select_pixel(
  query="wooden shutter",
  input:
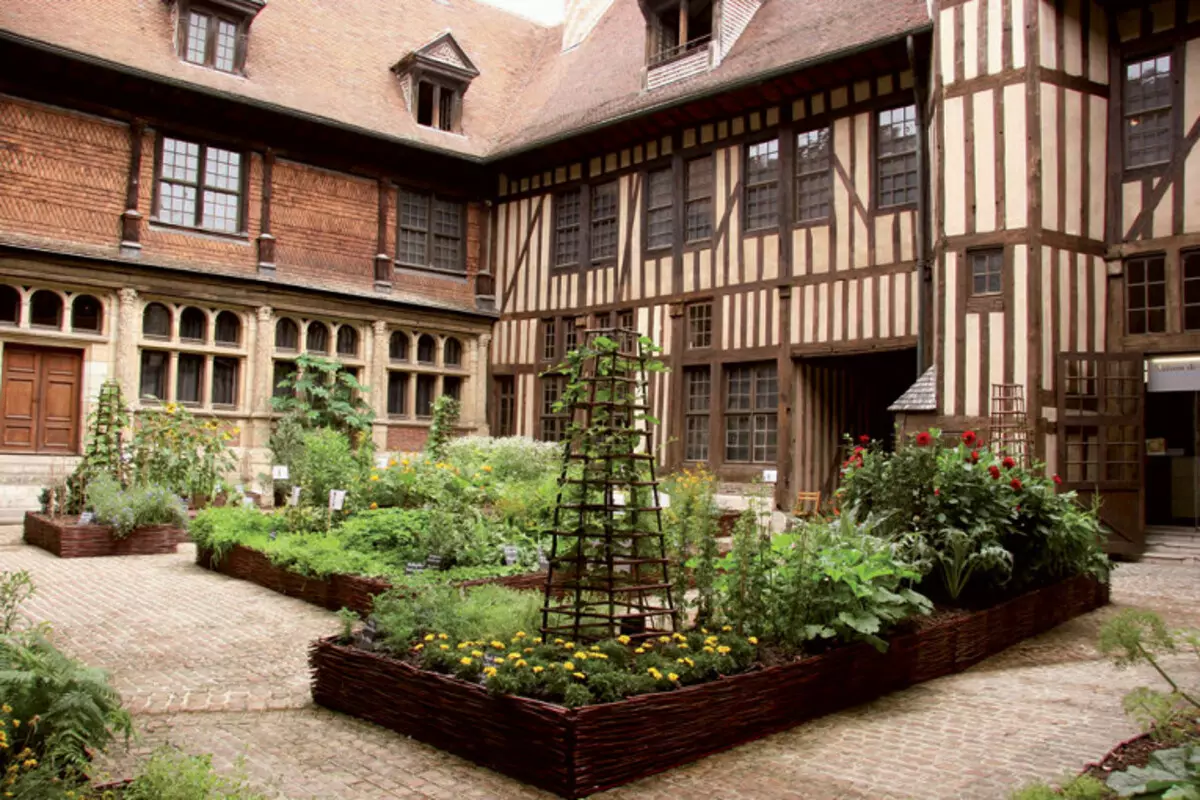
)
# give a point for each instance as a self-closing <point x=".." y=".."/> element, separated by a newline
<point x="41" y="400"/>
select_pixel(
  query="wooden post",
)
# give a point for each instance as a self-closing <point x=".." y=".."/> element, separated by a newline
<point x="683" y="24"/>
<point x="266" y="242"/>
<point x="131" y="219"/>
<point x="383" y="261"/>
<point x="786" y="368"/>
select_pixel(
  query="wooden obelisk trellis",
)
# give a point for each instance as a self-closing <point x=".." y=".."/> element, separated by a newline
<point x="608" y="572"/>
<point x="1009" y="433"/>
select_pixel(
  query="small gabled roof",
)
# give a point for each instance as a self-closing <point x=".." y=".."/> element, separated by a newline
<point x="921" y="396"/>
<point x="442" y="55"/>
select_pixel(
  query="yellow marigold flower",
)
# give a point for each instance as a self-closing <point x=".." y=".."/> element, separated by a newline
<point x="711" y="640"/>
<point x="579" y="675"/>
<point x="723" y="649"/>
<point x="689" y="662"/>
<point x="404" y="462"/>
<point x="708" y="649"/>
<point x="595" y="648"/>
<point x="419" y="648"/>
<point x="489" y="671"/>
<point x="640" y="650"/>
<point x="429" y="637"/>
<point x="443" y="646"/>
<point x="672" y="677"/>
<point x="513" y="656"/>
<point x="599" y="655"/>
<point x="16" y="723"/>
<point x="553" y="666"/>
<point x="477" y="654"/>
<point x="664" y="639"/>
<point x="521" y="663"/>
<point x="527" y="650"/>
<point x="654" y="673"/>
<point x="520" y="634"/>
<point x="679" y="637"/>
<point x="487" y="468"/>
<point x="466" y="661"/>
<point x="374" y="506"/>
<point x="558" y="641"/>
<point x="374" y="477"/>
<point x="496" y="643"/>
<point x="679" y="661"/>
<point x="704" y="630"/>
<point x="443" y="636"/>
<point x="752" y="640"/>
<point x="683" y="646"/>
<point x="30" y="763"/>
<point x="538" y="669"/>
<point x="727" y="628"/>
<point x="569" y="666"/>
<point x="569" y="646"/>
<point x="537" y="640"/>
<point x="463" y="645"/>
<point x="623" y="639"/>
<point x="6" y="708"/>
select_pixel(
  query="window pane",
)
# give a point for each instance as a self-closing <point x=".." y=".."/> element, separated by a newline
<point x="898" y="131"/>
<point x="700" y="325"/>
<point x="193" y="325"/>
<point x="398" y="346"/>
<point x="452" y="386"/>
<point x="762" y="162"/>
<point x="228" y="329"/>
<point x="658" y="228"/>
<point x="987" y="269"/>
<point x="446" y="109"/>
<point x="181" y="160"/>
<point x="154" y="375"/>
<point x="222" y="169"/>
<point x="452" y="352"/>
<point x="287" y="335"/>
<point x="738" y="383"/>
<point x="566" y="227"/>
<point x="177" y="204"/>
<point x="425" y="387"/>
<point x="226" y="46"/>
<point x="46" y="309"/>
<point x="737" y="438"/>
<point x="86" y="313"/>
<point x="549" y="340"/>
<point x="765" y="436"/>
<point x="766" y="388"/>
<point x="189" y="377"/>
<point x="1147" y="91"/>
<point x="197" y="38"/>
<point x="397" y="403"/>
<point x="426" y="349"/>
<point x="414" y="228"/>
<point x="282" y="371"/>
<point x="224" y="381"/>
<point x="604" y="221"/>
<point x="347" y="341"/>
<point x="317" y="340"/>
<point x="156" y="321"/>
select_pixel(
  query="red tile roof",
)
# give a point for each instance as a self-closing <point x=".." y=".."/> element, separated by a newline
<point x="331" y="58"/>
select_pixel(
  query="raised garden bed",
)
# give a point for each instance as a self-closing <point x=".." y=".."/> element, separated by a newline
<point x="578" y="752"/>
<point x="332" y="592"/>
<point x="66" y="538"/>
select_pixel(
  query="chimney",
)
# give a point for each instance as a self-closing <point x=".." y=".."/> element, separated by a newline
<point x="580" y="19"/>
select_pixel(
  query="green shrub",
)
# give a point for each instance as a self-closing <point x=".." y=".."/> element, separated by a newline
<point x="441" y="429"/>
<point x="138" y="506"/>
<point x="482" y="611"/>
<point x="218" y="529"/>
<point x="509" y="459"/>
<point x="323" y="394"/>
<point x="171" y="774"/>
<point x="175" y="449"/>
<point x="325" y="462"/>
<point x="1083" y="787"/>
<point x="690" y="531"/>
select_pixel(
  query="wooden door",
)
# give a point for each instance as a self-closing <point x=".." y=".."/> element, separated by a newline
<point x="40" y="400"/>
<point x="1101" y="440"/>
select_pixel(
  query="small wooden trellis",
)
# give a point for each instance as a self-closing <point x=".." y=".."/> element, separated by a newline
<point x="1009" y="426"/>
<point x="608" y="572"/>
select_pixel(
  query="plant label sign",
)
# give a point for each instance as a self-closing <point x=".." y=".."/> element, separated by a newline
<point x="511" y="555"/>
<point x="770" y="475"/>
<point x="664" y="500"/>
<point x="413" y="567"/>
<point x="87" y="518"/>
<point x="294" y="497"/>
<point x="337" y="499"/>
<point x="619" y="498"/>
<point x="433" y="562"/>
<point x="279" y="472"/>
<point x="240" y="488"/>
<point x="248" y="502"/>
<point x="381" y="462"/>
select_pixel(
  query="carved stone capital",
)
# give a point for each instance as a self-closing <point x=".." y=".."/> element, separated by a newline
<point x="380" y="328"/>
<point x="264" y="313"/>
<point x="128" y="296"/>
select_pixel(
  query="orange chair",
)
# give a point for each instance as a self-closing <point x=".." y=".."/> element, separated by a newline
<point x="808" y="504"/>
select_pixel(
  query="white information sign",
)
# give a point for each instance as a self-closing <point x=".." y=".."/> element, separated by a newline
<point x="381" y="462"/>
<point x="279" y="472"/>
<point x="619" y="498"/>
<point x="1174" y="374"/>
<point x="337" y="498"/>
<point x="770" y="475"/>
<point x="294" y="499"/>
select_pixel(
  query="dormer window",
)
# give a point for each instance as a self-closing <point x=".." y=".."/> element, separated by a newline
<point x="213" y="33"/>
<point x="434" y="79"/>
<point x="679" y="27"/>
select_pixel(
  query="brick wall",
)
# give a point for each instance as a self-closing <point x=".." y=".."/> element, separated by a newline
<point x="324" y="222"/>
<point x="63" y="173"/>
<point x="405" y="439"/>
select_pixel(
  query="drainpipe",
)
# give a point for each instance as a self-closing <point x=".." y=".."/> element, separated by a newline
<point x="924" y="280"/>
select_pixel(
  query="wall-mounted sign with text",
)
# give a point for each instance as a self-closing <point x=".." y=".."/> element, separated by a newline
<point x="1174" y="374"/>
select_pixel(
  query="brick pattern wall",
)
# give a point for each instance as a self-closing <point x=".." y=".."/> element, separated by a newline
<point x="63" y="173"/>
<point x="324" y="221"/>
<point x="405" y="439"/>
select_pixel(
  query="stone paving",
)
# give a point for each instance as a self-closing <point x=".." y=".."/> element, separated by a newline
<point x="213" y="664"/>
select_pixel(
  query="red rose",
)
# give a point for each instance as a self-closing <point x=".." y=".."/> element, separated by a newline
<point x="974" y="456"/>
<point x="1009" y="463"/>
<point x="923" y="439"/>
<point x="969" y="438"/>
<point x="1057" y="480"/>
<point x="1018" y="509"/>
<point x="858" y="449"/>
<point x="937" y="492"/>
<point x="1015" y="483"/>
<point x="995" y="471"/>
<point x="865" y="439"/>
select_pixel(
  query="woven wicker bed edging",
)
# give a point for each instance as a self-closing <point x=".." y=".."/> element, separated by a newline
<point x="578" y="752"/>
<point x="65" y="538"/>
<point x="332" y="592"/>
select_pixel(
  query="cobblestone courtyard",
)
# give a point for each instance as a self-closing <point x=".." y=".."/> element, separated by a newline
<point x="218" y="665"/>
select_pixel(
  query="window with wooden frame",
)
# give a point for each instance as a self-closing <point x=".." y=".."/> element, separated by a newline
<point x="1190" y="269"/>
<point x="199" y="186"/>
<point x="987" y="271"/>
<point x="896" y="159"/>
<point x="660" y="209"/>
<point x="431" y="233"/>
<point x="1146" y="294"/>
<point x="549" y="339"/>
<point x="602" y="319"/>
<point x="604" y="222"/>
<point x="438" y="106"/>
<point x="697" y="382"/>
<point x="677" y="28"/>
<point x="214" y="34"/>
<point x="506" y="405"/>
<point x="697" y="200"/>
<point x="568" y="245"/>
<point x="570" y="335"/>
<point x="751" y="409"/>
<point x="625" y="319"/>
<point x="762" y="185"/>
<point x="1146" y="90"/>
<point x="699" y="325"/>
<point x="553" y="421"/>
<point x="435" y="80"/>
<point x="814" y="184"/>
<point x="397" y="394"/>
<point x="426" y="386"/>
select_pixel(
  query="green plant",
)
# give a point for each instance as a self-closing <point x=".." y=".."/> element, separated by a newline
<point x="482" y="611"/>
<point x="348" y="619"/>
<point x="690" y="528"/>
<point x="103" y="453"/>
<point x="1170" y="774"/>
<point x="15" y="588"/>
<point x="960" y="553"/>
<point x="171" y="774"/>
<point x="325" y="462"/>
<point x="127" y="509"/>
<point x="174" y="448"/>
<point x="1082" y="787"/>
<point x="322" y="393"/>
<point x="441" y="429"/>
<point x="1135" y="637"/>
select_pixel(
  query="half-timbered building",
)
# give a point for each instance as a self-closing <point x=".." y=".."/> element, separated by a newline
<point x="831" y="215"/>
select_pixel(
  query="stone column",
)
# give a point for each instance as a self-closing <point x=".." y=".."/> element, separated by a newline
<point x="478" y="384"/>
<point x="377" y="379"/>
<point x="261" y="348"/>
<point x="125" y="346"/>
<point x="260" y="341"/>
